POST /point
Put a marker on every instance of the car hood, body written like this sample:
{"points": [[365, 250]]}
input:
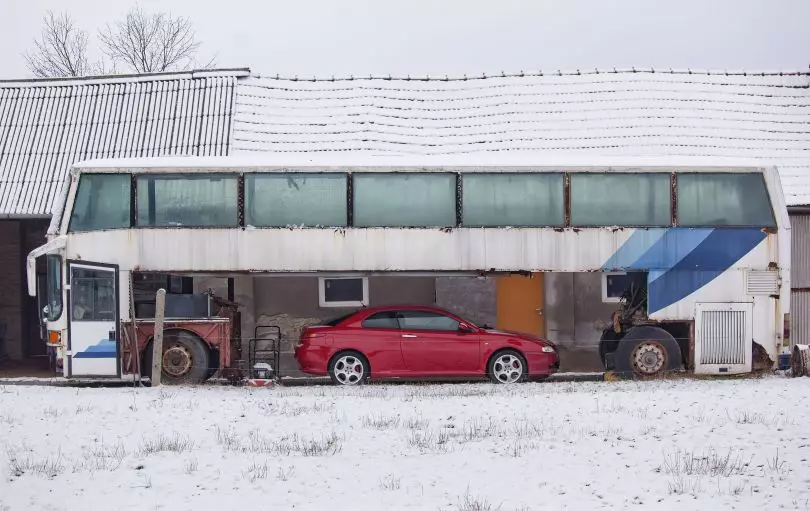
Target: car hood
{"points": [[521, 335]]}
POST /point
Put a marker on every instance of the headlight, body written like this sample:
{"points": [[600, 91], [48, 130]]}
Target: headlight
{"points": [[547, 349]]}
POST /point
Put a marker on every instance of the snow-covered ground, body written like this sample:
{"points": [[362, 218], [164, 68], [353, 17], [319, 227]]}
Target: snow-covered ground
{"points": [[686, 444]]}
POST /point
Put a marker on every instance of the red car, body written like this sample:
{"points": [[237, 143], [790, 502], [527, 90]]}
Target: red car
{"points": [[417, 342]]}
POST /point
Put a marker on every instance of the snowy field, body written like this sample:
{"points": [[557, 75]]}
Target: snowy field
{"points": [[734, 444]]}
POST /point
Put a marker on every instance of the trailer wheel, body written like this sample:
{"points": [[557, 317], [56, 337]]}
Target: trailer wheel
{"points": [[647, 358], [185, 359]]}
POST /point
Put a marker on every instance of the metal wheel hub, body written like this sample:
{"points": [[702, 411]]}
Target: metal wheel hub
{"points": [[649, 358], [348, 370], [507, 368], [177, 360]]}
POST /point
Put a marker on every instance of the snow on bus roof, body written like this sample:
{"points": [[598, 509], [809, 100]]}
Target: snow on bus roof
{"points": [[354, 160]]}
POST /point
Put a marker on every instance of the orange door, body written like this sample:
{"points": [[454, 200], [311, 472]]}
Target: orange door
{"points": [[520, 304]]}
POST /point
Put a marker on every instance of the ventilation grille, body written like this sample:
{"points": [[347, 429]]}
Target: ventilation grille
{"points": [[762, 282], [723, 339]]}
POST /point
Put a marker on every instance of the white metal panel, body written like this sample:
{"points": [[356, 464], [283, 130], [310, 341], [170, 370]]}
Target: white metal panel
{"points": [[723, 338]]}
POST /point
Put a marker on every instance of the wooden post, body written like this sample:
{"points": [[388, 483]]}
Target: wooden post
{"points": [[157, 342]]}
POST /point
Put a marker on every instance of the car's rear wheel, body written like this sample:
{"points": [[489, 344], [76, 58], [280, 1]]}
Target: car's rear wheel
{"points": [[507, 366], [349, 368]]}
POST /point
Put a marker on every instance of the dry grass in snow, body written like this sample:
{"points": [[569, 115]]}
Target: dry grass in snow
{"points": [[685, 444]]}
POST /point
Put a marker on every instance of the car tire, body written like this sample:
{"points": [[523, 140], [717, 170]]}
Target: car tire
{"points": [[349, 368], [507, 367], [192, 360]]}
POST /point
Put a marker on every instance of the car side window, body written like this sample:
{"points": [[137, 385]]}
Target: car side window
{"points": [[385, 319], [426, 320]]}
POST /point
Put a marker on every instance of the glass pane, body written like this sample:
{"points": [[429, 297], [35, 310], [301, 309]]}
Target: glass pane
{"points": [[492, 200], [310, 200], [102, 202], [54, 287], [724, 199], [343, 290], [620, 199], [404, 200], [187, 201], [423, 320], [381, 320], [92, 295]]}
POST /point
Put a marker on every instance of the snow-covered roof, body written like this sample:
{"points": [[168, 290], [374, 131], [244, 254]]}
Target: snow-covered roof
{"points": [[642, 113], [47, 125], [343, 161]]}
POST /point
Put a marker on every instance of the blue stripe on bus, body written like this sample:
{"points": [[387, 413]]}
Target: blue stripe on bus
{"points": [[679, 261], [633, 248], [104, 349], [671, 248], [716, 254]]}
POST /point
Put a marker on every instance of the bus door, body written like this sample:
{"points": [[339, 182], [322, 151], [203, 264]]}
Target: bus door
{"points": [[93, 320]]}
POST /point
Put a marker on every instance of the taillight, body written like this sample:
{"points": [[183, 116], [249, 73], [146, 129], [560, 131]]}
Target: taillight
{"points": [[54, 337]]}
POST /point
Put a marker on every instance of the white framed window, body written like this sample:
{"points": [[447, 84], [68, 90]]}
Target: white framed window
{"points": [[615, 283], [342, 291]]}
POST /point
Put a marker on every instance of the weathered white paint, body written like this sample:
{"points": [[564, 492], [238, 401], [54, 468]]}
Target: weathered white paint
{"points": [[348, 250]]}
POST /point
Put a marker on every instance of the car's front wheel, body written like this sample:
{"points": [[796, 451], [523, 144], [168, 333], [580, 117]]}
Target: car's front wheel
{"points": [[348, 368], [507, 366]]}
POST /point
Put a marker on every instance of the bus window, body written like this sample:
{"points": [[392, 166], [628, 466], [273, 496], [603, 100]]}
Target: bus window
{"points": [[208, 200], [620, 199], [512, 200], [400, 199], [724, 199], [310, 200], [54, 287], [102, 202]]}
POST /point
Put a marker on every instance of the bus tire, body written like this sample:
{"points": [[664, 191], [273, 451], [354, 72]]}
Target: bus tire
{"points": [[647, 352], [186, 359]]}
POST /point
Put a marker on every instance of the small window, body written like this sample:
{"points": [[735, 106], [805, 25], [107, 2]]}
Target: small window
{"points": [[599, 199], [343, 291], [616, 284], [54, 287], [187, 201], [386, 320], [426, 320], [522, 200], [404, 200], [102, 202], [92, 295], [724, 199], [309, 200]]}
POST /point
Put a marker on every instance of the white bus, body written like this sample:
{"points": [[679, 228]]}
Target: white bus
{"points": [[696, 255]]}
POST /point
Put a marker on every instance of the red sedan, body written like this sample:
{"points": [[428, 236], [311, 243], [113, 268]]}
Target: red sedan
{"points": [[417, 342]]}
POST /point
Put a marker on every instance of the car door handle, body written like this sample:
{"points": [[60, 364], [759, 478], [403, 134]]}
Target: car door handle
{"points": [[409, 336]]}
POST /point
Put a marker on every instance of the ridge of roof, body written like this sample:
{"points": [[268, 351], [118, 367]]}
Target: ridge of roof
{"points": [[538, 73], [239, 72]]}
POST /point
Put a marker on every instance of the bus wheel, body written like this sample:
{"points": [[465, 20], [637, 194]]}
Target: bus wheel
{"points": [[185, 359], [647, 358]]}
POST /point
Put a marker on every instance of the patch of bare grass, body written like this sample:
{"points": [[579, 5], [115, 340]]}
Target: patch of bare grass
{"points": [[20, 464], [164, 443]]}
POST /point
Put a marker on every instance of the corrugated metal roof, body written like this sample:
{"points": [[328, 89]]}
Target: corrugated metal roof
{"points": [[47, 125], [765, 116]]}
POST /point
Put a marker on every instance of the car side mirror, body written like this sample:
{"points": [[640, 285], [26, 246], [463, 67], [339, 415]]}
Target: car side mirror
{"points": [[465, 328]]}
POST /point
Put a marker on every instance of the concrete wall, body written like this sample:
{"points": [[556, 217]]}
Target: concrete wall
{"points": [[575, 313], [575, 318], [471, 298]]}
